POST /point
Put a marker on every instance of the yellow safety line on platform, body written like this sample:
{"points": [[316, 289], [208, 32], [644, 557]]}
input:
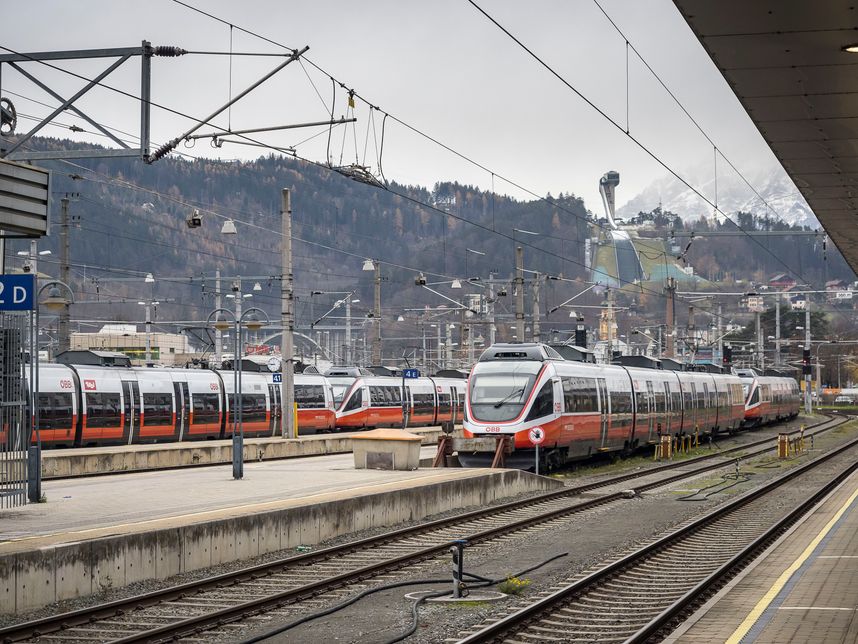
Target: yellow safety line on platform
{"points": [[776, 588], [265, 504]]}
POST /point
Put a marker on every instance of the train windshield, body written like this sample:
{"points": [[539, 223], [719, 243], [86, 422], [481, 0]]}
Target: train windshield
{"points": [[340, 386], [499, 390]]}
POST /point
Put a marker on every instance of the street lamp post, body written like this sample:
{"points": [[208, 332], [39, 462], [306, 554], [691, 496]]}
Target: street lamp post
{"points": [[222, 323], [34, 455]]}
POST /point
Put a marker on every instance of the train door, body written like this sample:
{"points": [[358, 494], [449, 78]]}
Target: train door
{"points": [[709, 414], [693, 411], [668, 408], [604, 411], [180, 391], [274, 398], [650, 408], [130, 409]]}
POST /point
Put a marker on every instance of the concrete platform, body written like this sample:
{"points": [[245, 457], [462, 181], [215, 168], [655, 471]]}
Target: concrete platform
{"points": [[109, 531], [89, 461], [805, 588]]}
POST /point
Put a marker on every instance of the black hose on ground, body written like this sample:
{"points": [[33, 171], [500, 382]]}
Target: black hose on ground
{"points": [[415, 607], [484, 581]]}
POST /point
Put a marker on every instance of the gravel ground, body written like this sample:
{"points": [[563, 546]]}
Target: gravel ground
{"points": [[588, 538], [591, 539]]}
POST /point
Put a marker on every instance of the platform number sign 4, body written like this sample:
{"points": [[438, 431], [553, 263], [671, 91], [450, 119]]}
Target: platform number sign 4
{"points": [[410, 373], [536, 435]]}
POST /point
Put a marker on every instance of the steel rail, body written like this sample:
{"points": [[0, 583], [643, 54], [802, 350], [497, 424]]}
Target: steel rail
{"points": [[83, 616], [520, 619]]}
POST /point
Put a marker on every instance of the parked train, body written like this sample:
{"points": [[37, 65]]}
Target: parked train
{"points": [[90, 405], [376, 401], [586, 408], [83, 405]]}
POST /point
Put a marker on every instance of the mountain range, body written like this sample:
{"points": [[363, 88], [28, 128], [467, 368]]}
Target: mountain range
{"points": [[734, 195]]}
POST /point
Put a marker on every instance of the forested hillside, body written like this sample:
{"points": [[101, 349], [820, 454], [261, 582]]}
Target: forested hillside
{"points": [[130, 220]]}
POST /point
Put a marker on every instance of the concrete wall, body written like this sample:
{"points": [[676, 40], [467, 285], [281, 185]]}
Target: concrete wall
{"points": [[29, 580], [88, 461]]}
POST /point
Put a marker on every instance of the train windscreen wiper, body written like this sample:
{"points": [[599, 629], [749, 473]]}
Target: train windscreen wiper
{"points": [[517, 392]]}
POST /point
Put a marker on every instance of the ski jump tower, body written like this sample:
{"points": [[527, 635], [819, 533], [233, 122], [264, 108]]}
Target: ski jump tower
{"points": [[608, 186], [628, 262]]}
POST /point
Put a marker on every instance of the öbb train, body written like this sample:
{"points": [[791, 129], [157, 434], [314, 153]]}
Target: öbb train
{"points": [[84, 405], [586, 409]]}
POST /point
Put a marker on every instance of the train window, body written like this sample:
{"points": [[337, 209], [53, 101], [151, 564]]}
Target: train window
{"points": [[642, 401], [206, 408], [658, 394], [444, 407], [688, 397], [55, 410], [621, 402], [376, 396], [676, 400], [579, 395], [394, 396], [701, 397], [755, 397], [310, 396], [355, 401], [103, 410], [424, 403], [252, 408], [543, 405], [157, 409]]}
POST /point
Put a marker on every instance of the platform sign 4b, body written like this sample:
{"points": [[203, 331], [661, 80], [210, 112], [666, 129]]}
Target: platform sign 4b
{"points": [[17, 292], [536, 435]]}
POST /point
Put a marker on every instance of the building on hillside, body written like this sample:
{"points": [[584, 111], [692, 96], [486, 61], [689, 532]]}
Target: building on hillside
{"points": [[798, 303], [838, 292], [782, 282], [126, 339]]}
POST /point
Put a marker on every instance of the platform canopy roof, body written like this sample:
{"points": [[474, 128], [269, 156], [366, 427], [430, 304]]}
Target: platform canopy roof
{"points": [[785, 61]]}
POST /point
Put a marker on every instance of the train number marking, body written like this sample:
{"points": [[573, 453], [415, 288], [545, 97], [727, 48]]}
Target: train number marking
{"points": [[89, 385]]}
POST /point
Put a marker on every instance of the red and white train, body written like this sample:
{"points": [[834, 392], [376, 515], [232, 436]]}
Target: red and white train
{"points": [[367, 401], [585, 408], [769, 399], [91, 405]]}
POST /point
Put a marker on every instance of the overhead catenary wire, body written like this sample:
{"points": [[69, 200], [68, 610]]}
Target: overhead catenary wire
{"points": [[446, 213], [618, 126]]}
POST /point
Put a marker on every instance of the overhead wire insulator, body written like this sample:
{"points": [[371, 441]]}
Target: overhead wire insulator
{"points": [[169, 51], [163, 151]]}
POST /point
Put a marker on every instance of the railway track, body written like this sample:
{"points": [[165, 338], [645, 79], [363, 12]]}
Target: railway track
{"points": [[191, 609], [639, 597]]}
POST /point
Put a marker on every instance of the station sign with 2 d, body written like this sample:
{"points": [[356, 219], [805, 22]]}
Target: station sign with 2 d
{"points": [[17, 292], [536, 435]]}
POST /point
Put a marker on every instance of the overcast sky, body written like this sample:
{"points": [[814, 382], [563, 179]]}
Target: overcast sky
{"points": [[440, 66]]}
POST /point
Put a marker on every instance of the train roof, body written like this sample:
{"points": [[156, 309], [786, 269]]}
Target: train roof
{"points": [[519, 351], [94, 358], [342, 370]]}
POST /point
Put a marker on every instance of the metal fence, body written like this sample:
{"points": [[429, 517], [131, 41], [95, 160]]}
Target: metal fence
{"points": [[14, 409]]}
